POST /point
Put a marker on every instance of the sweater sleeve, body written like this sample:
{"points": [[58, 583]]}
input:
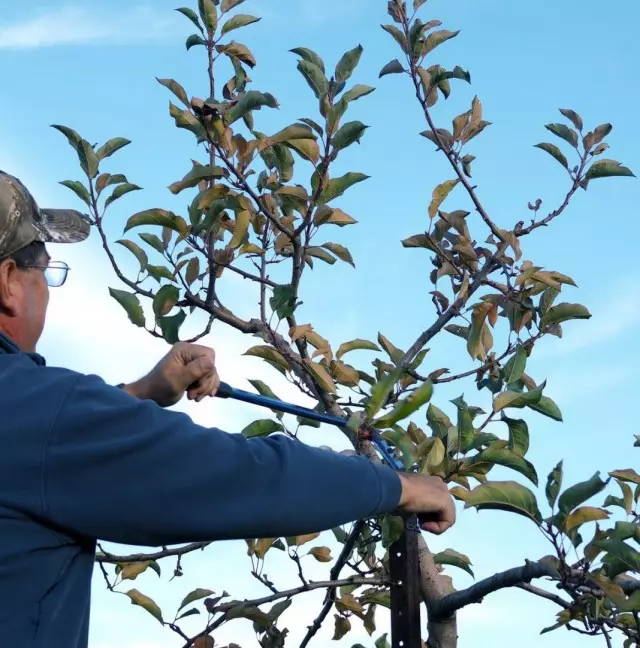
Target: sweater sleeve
{"points": [[124, 470]]}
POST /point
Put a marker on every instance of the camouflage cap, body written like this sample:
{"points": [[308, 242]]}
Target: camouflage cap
{"points": [[22, 222]]}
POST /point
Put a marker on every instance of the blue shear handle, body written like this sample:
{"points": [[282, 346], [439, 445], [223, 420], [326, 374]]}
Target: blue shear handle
{"points": [[227, 391]]}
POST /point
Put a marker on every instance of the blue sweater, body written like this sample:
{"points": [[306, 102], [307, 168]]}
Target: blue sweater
{"points": [[82, 461]]}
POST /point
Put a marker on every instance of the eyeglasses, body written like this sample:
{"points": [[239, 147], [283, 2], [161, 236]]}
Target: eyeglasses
{"points": [[55, 273]]}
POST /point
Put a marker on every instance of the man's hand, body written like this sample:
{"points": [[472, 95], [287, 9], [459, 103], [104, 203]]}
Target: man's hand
{"points": [[428, 498], [189, 368]]}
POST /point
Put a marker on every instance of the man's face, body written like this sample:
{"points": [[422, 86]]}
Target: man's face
{"points": [[24, 297]]}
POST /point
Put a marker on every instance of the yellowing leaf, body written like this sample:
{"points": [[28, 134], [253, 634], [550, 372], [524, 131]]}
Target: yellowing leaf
{"points": [[342, 626], [133, 570], [243, 220], [583, 515], [137, 598], [627, 474], [321, 554], [322, 376], [300, 540], [440, 193]]}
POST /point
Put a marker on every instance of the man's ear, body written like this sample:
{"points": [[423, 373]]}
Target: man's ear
{"points": [[9, 287]]}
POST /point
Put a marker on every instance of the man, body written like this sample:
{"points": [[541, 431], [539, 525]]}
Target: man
{"points": [[82, 461]]}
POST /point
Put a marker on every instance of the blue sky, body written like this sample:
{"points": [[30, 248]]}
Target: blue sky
{"points": [[91, 66]]}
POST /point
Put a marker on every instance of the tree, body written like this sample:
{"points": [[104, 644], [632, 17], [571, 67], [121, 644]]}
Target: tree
{"points": [[263, 207]]}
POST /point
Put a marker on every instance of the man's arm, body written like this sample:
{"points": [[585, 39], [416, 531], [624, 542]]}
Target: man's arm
{"points": [[125, 470]]}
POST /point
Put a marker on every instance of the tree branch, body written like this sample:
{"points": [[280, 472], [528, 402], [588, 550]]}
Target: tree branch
{"points": [[340, 563], [554, 598], [225, 608], [109, 558], [449, 604]]}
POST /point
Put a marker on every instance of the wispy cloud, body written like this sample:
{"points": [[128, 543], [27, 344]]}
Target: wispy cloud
{"points": [[73, 25], [612, 317]]}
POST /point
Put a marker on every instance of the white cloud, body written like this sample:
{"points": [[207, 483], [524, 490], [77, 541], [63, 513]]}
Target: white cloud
{"points": [[73, 25], [611, 317]]}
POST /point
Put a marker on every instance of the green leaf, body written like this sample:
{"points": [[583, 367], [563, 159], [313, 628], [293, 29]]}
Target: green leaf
{"points": [[392, 528], [397, 35], [278, 609], [319, 253], [547, 407], [440, 193], [197, 175], [357, 344], [270, 355], [505, 496], [309, 55], [238, 21], [451, 557], [165, 299], [554, 483], [438, 421], [341, 252], [191, 15], [555, 152], [110, 147], [357, 92], [514, 369], [262, 428], [348, 134], [607, 169], [137, 251], [407, 406], [193, 270], [227, 5], [251, 100], [562, 313], [72, 136], [159, 217], [78, 189], [496, 454], [518, 435], [622, 552], [208, 14], [131, 304], [564, 132], [145, 602], [120, 191], [337, 186], [88, 159], [464, 424], [170, 326], [436, 38], [381, 390], [347, 64], [580, 493], [573, 116], [314, 77], [392, 67], [517, 399], [153, 241], [196, 595], [176, 88], [194, 40], [283, 301]]}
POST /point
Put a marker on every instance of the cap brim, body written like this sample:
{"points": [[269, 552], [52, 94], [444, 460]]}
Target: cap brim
{"points": [[63, 226]]}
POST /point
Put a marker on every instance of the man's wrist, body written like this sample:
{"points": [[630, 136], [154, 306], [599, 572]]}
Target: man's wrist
{"points": [[136, 389]]}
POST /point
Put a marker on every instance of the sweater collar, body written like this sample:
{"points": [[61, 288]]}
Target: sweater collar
{"points": [[8, 346]]}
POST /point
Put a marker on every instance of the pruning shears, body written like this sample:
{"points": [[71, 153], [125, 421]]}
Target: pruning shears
{"points": [[403, 554]]}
